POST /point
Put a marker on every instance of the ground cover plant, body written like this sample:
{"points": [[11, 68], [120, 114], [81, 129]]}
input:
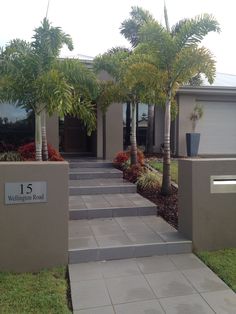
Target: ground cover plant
{"points": [[223, 263], [158, 165], [43, 292]]}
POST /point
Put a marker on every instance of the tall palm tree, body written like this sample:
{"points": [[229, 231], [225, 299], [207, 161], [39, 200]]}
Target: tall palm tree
{"points": [[130, 28], [179, 57], [131, 81], [32, 76], [47, 43]]}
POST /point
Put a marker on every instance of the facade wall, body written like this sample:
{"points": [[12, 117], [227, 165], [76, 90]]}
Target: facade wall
{"points": [[217, 126], [114, 130], [34, 236], [99, 133], [159, 128], [53, 131]]}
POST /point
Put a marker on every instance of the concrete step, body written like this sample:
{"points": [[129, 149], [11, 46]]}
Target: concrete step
{"points": [[122, 238], [110, 205], [100, 186], [94, 173], [80, 163]]}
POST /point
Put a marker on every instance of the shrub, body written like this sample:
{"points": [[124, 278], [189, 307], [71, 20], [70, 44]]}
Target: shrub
{"points": [[27, 152], [132, 173], [120, 159], [148, 180], [10, 156]]}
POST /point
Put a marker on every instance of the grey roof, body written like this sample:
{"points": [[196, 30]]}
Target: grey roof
{"points": [[223, 79]]}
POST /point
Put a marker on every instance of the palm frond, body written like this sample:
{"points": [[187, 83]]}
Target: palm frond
{"points": [[130, 27], [192, 31], [160, 42]]}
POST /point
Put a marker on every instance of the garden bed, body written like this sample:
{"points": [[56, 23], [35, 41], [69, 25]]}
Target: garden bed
{"points": [[167, 206]]}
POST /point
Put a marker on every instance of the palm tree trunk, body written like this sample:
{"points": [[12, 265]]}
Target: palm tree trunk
{"points": [[38, 137], [44, 137], [133, 153], [150, 130], [166, 180]]}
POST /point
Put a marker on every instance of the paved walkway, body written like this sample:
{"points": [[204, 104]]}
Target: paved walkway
{"points": [[173, 284], [132, 265]]}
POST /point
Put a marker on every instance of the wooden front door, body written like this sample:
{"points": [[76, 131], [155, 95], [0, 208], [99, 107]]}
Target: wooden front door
{"points": [[75, 136]]}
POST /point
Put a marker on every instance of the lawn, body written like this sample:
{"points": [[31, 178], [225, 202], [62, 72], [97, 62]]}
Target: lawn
{"points": [[223, 263], [173, 168], [43, 292]]}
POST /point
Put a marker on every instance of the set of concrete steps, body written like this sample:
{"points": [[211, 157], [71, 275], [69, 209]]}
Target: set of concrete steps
{"points": [[110, 220]]}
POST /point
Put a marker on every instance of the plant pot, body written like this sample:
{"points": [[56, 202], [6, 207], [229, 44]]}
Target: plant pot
{"points": [[192, 141]]}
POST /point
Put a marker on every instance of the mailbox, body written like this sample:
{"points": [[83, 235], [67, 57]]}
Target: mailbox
{"points": [[223, 184]]}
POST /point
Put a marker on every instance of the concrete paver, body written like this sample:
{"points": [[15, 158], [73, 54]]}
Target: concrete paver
{"points": [[192, 304], [104, 232], [158, 284], [116, 281]]}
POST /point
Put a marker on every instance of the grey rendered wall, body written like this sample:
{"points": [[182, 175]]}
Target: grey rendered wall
{"points": [[186, 106], [99, 133], [114, 130], [217, 127], [208, 219], [159, 128], [113, 137], [34, 236], [53, 131]]}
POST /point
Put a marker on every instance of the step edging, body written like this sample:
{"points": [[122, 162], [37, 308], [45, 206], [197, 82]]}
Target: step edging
{"points": [[112, 212], [128, 251]]}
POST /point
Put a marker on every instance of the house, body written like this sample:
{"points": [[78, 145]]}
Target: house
{"points": [[217, 127]]}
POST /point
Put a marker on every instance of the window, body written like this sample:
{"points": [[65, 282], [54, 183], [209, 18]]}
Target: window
{"points": [[16, 126]]}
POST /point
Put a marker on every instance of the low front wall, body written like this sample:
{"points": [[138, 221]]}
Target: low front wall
{"points": [[207, 213], [34, 236]]}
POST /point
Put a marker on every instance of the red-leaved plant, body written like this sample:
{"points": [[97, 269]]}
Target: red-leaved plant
{"points": [[122, 157], [27, 152]]}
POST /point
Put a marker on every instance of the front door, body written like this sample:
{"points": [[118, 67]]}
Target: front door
{"points": [[74, 137]]}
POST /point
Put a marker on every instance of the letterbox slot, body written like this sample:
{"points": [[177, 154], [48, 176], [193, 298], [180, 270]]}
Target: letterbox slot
{"points": [[223, 184]]}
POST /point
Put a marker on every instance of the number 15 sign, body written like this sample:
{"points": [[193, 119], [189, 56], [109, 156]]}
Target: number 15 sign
{"points": [[25, 192]]}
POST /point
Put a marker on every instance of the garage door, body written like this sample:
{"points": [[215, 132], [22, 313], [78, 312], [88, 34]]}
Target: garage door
{"points": [[217, 128]]}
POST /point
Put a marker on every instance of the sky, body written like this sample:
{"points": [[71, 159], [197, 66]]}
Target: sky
{"points": [[94, 24]]}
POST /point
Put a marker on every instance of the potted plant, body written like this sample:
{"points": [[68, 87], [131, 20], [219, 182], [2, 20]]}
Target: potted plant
{"points": [[193, 139]]}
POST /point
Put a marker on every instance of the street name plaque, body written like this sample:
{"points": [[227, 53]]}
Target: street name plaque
{"points": [[25, 192]]}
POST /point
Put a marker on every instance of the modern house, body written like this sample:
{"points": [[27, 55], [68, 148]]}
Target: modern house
{"points": [[217, 127]]}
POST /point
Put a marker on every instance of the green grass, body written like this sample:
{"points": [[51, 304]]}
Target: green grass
{"points": [[43, 292], [173, 168], [223, 263]]}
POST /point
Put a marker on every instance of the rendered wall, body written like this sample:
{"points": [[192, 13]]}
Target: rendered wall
{"points": [[34, 236], [217, 126], [159, 128], [208, 219], [114, 130], [53, 131]]}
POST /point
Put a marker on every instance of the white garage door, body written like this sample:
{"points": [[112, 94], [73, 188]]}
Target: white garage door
{"points": [[217, 128]]}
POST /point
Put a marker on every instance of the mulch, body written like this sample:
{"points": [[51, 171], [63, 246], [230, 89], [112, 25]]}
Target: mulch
{"points": [[167, 206]]}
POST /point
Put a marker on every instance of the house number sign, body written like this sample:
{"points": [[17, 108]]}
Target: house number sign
{"points": [[25, 192]]}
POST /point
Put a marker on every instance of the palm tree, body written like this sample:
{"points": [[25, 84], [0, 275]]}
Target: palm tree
{"points": [[178, 56], [131, 81], [47, 43], [32, 76], [130, 28]]}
